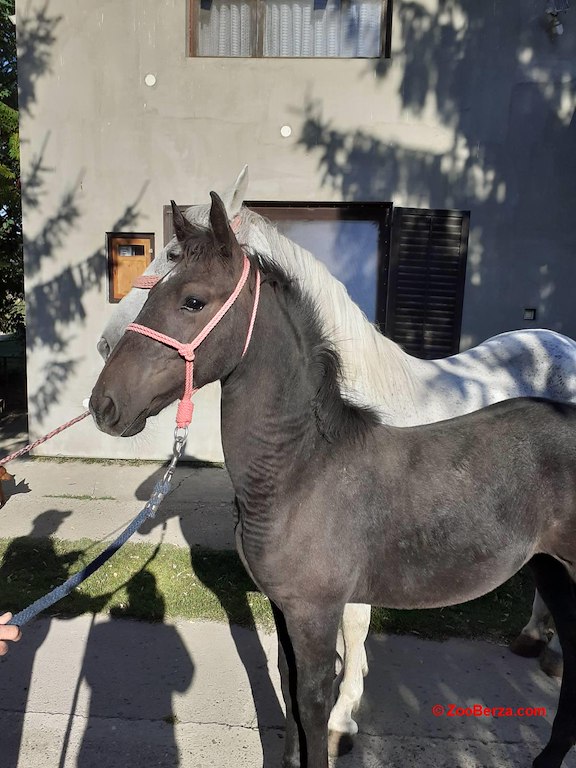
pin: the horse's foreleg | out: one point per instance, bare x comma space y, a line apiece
558, 591
532, 639
313, 630
287, 669
342, 726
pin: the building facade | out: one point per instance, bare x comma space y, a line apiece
433, 111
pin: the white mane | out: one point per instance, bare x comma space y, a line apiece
374, 368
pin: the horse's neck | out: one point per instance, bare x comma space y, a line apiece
268, 426
375, 371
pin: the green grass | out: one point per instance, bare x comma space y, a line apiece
140, 581
153, 583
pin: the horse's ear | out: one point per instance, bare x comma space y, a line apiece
182, 227
233, 197
220, 225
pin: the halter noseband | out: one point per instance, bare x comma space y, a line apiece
186, 406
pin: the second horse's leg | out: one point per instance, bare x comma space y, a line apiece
342, 726
551, 658
532, 639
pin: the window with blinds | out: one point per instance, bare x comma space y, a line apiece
290, 28
426, 280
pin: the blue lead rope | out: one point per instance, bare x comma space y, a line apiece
160, 490
23, 617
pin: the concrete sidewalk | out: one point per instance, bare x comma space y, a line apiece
74, 500
112, 693
116, 693
96, 500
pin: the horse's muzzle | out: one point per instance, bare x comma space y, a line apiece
105, 413
107, 416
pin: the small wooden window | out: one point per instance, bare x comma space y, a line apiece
128, 256
290, 28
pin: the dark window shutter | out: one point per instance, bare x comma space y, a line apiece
426, 280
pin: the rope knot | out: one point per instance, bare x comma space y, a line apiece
184, 413
187, 352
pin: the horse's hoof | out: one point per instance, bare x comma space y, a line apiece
551, 662
339, 743
527, 646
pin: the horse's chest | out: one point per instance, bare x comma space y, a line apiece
247, 556
279, 553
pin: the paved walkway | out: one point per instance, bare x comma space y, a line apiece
113, 693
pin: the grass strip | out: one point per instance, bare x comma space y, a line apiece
152, 583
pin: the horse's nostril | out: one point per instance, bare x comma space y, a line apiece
104, 348
104, 411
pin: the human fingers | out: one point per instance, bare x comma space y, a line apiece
8, 632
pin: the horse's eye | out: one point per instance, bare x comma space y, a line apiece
193, 304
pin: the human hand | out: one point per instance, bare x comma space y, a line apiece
10, 632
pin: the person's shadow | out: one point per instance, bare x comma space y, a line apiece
132, 669
269, 713
25, 554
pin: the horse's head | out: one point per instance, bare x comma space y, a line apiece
142, 375
132, 303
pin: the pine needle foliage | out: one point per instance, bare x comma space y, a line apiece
11, 265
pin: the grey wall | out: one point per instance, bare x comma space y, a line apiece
475, 110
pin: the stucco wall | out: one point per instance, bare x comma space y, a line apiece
475, 110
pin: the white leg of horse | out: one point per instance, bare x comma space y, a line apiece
551, 660
533, 638
341, 726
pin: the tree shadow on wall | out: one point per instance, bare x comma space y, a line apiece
56, 307
36, 34
492, 98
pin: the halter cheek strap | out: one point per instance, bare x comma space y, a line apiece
185, 406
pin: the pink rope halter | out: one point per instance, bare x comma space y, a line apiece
186, 406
